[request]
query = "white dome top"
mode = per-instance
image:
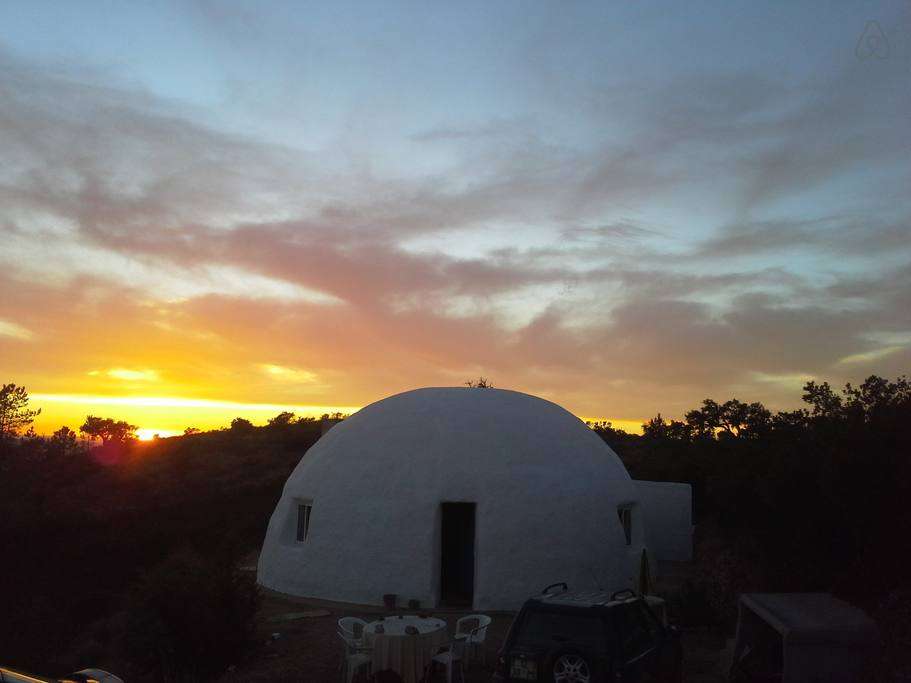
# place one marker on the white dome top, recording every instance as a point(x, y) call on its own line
point(545, 487)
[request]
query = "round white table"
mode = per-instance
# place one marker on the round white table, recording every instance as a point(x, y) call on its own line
point(406, 654)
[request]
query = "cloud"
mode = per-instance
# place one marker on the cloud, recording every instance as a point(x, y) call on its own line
point(136, 235)
point(496, 128)
point(864, 236)
point(281, 373)
point(623, 230)
point(128, 374)
point(13, 331)
point(870, 357)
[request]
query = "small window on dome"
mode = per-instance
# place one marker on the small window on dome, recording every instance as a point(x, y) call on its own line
point(303, 520)
point(625, 514)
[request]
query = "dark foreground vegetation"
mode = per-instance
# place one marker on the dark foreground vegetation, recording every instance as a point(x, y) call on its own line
point(815, 499)
point(126, 556)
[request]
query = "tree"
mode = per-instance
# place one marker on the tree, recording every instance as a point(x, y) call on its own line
point(62, 442)
point(825, 402)
point(240, 424)
point(482, 383)
point(704, 422)
point(726, 420)
point(657, 429)
point(190, 430)
point(876, 395)
point(283, 419)
point(108, 430)
point(14, 412)
point(190, 617)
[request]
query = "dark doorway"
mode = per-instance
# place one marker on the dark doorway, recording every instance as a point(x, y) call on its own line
point(457, 554)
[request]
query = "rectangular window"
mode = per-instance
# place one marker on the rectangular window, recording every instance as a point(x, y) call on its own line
point(626, 519)
point(303, 520)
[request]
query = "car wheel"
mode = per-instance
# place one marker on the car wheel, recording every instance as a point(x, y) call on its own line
point(571, 667)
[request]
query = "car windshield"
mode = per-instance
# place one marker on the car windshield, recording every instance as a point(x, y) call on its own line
point(542, 626)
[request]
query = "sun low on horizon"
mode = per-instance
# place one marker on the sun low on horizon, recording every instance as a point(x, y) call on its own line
point(310, 208)
point(161, 408)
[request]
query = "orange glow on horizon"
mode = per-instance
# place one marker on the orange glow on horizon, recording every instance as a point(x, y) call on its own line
point(162, 415)
point(171, 415)
point(149, 433)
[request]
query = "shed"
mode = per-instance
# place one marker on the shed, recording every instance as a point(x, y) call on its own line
point(806, 637)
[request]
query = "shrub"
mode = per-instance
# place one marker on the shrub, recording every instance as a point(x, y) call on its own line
point(190, 617)
point(691, 606)
point(893, 615)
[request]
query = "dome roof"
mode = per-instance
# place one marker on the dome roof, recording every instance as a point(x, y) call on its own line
point(545, 487)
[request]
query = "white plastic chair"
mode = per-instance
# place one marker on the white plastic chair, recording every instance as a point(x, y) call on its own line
point(352, 628)
point(356, 657)
point(473, 637)
point(449, 656)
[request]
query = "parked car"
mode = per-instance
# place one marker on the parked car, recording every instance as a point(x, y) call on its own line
point(566, 637)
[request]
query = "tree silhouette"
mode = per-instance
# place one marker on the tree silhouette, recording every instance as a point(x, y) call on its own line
point(283, 419)
point(824, 401)
point(725, 420)
point(481, 383)
point(62, 442)
point(14, 412)
point(108, 430)
point(241, 424)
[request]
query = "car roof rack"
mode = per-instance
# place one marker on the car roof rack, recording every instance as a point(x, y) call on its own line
point(597, 598)
point(546, 591)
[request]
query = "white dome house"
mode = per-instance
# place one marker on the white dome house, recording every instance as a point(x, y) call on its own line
point(454, 496)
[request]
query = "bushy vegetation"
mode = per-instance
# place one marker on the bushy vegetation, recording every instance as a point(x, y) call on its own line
point(80, 526)
point(190, 617)
point(814, 499)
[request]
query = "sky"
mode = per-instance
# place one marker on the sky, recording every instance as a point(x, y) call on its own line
point(212, 209)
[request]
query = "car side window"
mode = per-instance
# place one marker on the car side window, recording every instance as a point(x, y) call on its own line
point(639, 630)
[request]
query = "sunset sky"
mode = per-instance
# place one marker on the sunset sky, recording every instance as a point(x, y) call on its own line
point(212, 209)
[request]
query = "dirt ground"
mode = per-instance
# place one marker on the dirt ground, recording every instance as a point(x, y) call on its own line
point(307, 649)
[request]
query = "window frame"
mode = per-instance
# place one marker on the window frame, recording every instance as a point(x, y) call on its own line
point(304, 517)
point(625, 513)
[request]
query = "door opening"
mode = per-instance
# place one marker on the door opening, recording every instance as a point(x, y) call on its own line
point(457, 554)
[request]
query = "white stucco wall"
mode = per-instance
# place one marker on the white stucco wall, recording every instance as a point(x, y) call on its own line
point(545, 486)
point(668, 511)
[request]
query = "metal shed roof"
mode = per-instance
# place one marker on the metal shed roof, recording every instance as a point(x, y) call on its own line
point(812, 617)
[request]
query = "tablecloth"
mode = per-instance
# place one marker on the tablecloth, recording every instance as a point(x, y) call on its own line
point(408, 655)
